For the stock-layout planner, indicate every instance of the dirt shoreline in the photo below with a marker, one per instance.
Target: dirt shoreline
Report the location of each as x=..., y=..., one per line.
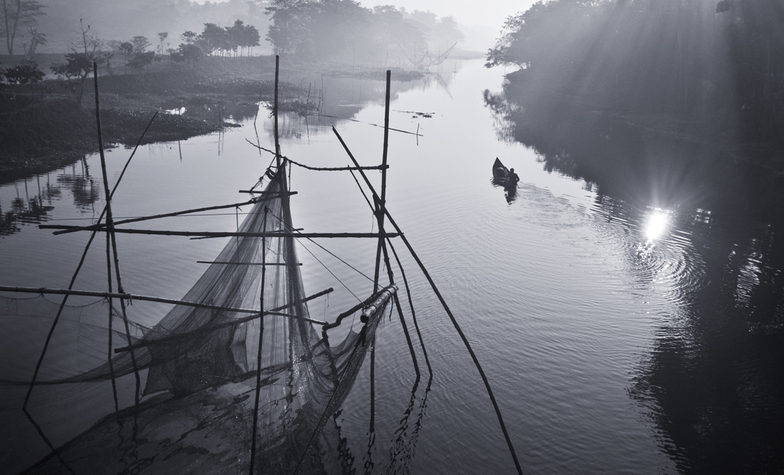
x=42, y=127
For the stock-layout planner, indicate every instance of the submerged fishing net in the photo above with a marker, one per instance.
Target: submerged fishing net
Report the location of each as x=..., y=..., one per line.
x=199, y=368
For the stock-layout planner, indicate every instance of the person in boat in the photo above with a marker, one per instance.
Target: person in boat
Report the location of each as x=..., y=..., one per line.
x=500, y=172
x=512, y=178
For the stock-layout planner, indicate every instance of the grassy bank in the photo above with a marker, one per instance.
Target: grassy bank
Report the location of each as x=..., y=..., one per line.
x=43, y=128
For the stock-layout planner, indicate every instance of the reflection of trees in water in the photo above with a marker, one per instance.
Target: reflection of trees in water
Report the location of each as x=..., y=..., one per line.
x=30, y=209
x=84, y=189
x=339, y=98
x=217, y=112
x=713, y=382
x=36, y=196
x=8, y=223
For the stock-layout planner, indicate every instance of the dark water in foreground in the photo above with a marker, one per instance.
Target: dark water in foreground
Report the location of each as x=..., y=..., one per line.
x=630, y=319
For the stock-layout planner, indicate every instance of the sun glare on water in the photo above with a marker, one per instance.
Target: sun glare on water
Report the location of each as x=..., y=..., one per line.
x=656, y=224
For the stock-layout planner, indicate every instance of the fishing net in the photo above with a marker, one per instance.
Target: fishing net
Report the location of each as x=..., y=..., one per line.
x=201, y=369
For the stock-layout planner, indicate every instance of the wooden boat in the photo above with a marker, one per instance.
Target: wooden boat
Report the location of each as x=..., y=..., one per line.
x=503, y=176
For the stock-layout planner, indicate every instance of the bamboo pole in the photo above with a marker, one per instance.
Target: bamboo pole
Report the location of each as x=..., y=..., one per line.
x=146, y=298
x=380, y=204
x=258, y=355
x=146, y=218
x=110, y=228
x=110, y=343
x=249, y=263
x=275, y=112
x=308, y=167
x=220, y=234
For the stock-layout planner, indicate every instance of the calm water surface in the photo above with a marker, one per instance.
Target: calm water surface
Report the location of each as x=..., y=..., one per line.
x=589, y=313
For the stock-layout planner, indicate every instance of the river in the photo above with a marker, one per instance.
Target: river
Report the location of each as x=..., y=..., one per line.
x=620, y=333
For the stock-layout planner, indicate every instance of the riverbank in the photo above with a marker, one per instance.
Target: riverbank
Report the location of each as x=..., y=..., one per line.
x=537, y=109
x=42, y=127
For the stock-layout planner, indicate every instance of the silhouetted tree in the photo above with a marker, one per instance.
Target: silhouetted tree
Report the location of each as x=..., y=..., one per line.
x=27, y=72
x=36, y=38
x=213, y=38
x=712, y=64
x=80, y=64
x=189, y=37
x=140, y=44
x=189, y=53
x=139, y=61
x=163, y=45
x=18, y=14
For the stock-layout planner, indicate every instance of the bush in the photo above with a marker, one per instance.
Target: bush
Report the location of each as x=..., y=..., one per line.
x=27, y=72
x=141, y=60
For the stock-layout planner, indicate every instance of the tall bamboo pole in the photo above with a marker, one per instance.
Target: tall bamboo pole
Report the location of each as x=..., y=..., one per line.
x=381, y=204
x=110, y=227
x=275, y=112
x=258, y=356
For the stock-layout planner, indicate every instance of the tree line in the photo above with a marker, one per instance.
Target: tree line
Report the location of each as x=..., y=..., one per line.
x=135, y=53
x=343, y=29
x=720, y=64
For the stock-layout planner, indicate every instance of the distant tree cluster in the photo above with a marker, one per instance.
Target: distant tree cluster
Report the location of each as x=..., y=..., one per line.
x=331, y=29
x=700, y=60
x=231, y=40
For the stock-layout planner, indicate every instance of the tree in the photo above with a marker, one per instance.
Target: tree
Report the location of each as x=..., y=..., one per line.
x=126, y=49
x=251, y=38
x=446, y=33
x=27, y=72
x=36, y=39
x=286, y=24
x=234, y=35
x=140, y=44
x=213, y=38
x=140, y=57
x=163, y=46
x=18, y=14
x=77, y=65
x=190, y=52
x=80, y=64
x=189, y=37
x=141, y=60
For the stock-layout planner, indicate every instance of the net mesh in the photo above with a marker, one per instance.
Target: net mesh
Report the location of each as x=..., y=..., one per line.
x=199, y=367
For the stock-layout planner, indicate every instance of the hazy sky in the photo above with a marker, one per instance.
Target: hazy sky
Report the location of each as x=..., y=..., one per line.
x=491, y=13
